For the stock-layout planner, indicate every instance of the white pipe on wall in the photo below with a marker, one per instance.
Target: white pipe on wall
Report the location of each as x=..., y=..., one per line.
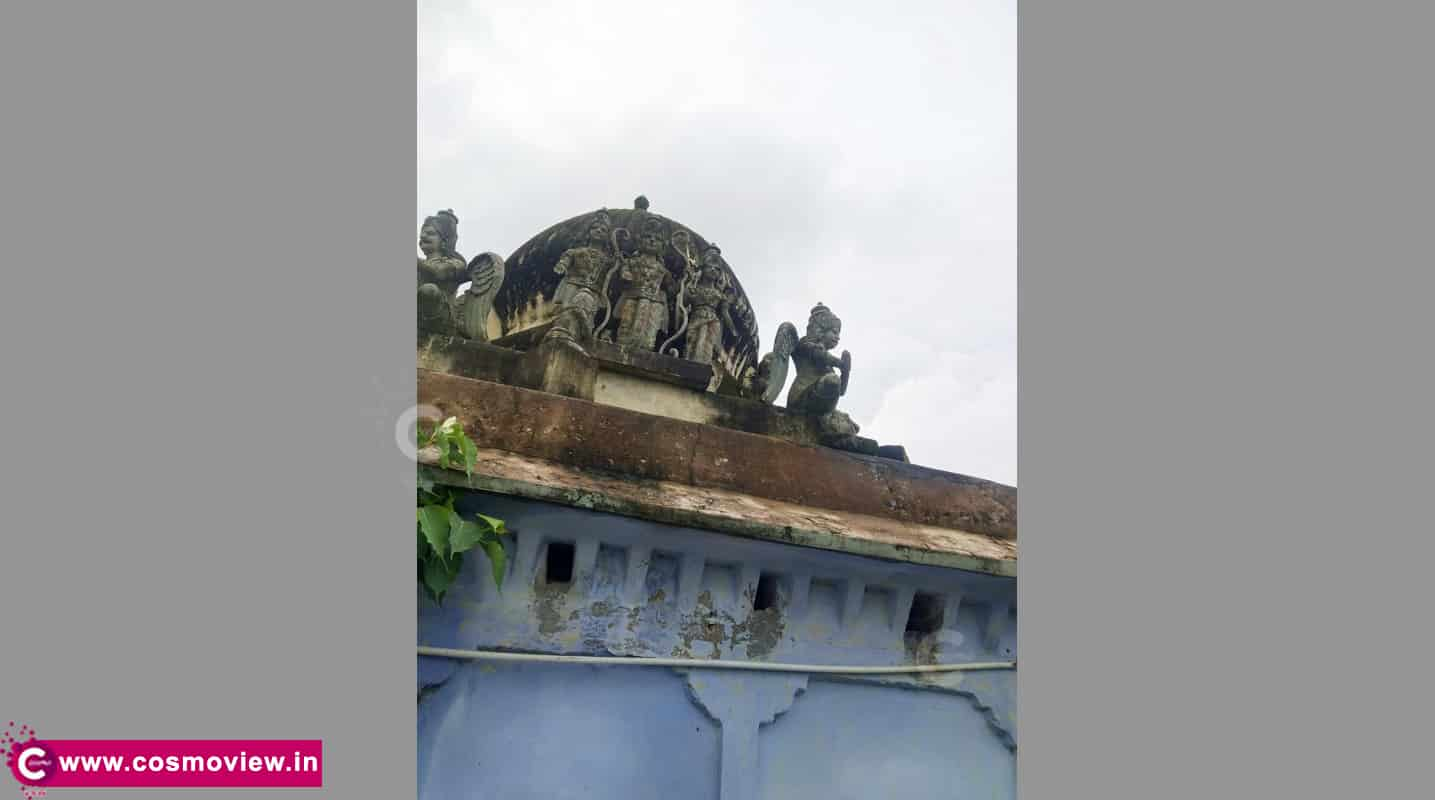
x=702, y=663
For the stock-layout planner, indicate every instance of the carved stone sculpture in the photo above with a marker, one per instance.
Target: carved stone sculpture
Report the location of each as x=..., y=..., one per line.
x=643, y=309
x=771, y=374
x=821, y=376
x=580, y=295
x=709, y=308
x=441, y=265
x=471, y=308
x=435, y=311
x=442, y=271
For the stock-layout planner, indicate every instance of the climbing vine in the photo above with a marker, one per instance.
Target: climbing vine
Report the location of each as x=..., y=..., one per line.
x=443, y=535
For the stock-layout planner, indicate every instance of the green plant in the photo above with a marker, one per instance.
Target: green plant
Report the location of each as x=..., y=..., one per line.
x=443, y=535
x=453, y=445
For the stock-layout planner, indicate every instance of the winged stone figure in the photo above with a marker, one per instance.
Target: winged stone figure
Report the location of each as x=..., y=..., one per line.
x=772, y=370
x=485, y=274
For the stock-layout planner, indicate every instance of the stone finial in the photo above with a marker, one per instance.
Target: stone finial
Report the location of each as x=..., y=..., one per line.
x=641, y=203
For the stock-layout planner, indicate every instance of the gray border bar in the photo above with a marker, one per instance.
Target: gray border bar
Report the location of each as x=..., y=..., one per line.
x=208, y=339
x=1225, y=392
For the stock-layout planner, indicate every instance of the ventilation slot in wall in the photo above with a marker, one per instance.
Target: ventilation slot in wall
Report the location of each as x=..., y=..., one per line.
x=720, y=582
x=609, y=572
x=558, y=565
x=926, y=614
x=824, y=602
x=766, y=595
x=661, y=584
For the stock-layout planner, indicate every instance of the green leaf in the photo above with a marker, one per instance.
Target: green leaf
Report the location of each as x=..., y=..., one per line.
x=470, y=454
x=439, y=496
x=464, y=534
x=434, y=522
x=437, y=578
x=496, y=557
x=425, y=484
x=493, y=522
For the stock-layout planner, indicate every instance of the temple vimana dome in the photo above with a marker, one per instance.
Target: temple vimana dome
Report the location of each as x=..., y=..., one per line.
x=628, y=307
x=527, y=296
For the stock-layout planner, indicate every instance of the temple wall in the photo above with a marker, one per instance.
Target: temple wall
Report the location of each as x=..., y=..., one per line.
x=583, y=582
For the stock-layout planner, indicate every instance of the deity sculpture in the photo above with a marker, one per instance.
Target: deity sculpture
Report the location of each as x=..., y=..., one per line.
x=709, y=308
x=441, y=266
x=441, y=274
x=441, y=271
x=643, y=308
x=580, y=295
x=821, y=378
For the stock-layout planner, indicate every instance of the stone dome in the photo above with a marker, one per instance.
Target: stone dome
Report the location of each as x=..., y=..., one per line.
x=526, y=299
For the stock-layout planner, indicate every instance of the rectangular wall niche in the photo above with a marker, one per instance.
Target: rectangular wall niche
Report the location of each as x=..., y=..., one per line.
x=926, y=614
x=766, y=595
x=558, y=563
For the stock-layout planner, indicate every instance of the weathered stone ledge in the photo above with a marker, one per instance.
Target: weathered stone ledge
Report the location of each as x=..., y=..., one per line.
x=732, y=513
x=622, y=442
x=638, y=381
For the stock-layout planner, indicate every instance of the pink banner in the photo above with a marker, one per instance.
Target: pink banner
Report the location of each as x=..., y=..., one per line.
x=161, y=763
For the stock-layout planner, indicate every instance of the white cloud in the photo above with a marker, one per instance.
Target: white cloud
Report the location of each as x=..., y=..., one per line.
x=857, y=154
x=959, y=414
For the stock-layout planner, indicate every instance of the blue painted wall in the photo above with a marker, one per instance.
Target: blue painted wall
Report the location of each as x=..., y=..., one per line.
x=645, y=589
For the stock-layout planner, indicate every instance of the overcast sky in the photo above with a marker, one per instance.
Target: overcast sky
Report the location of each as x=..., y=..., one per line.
x=855, y=153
